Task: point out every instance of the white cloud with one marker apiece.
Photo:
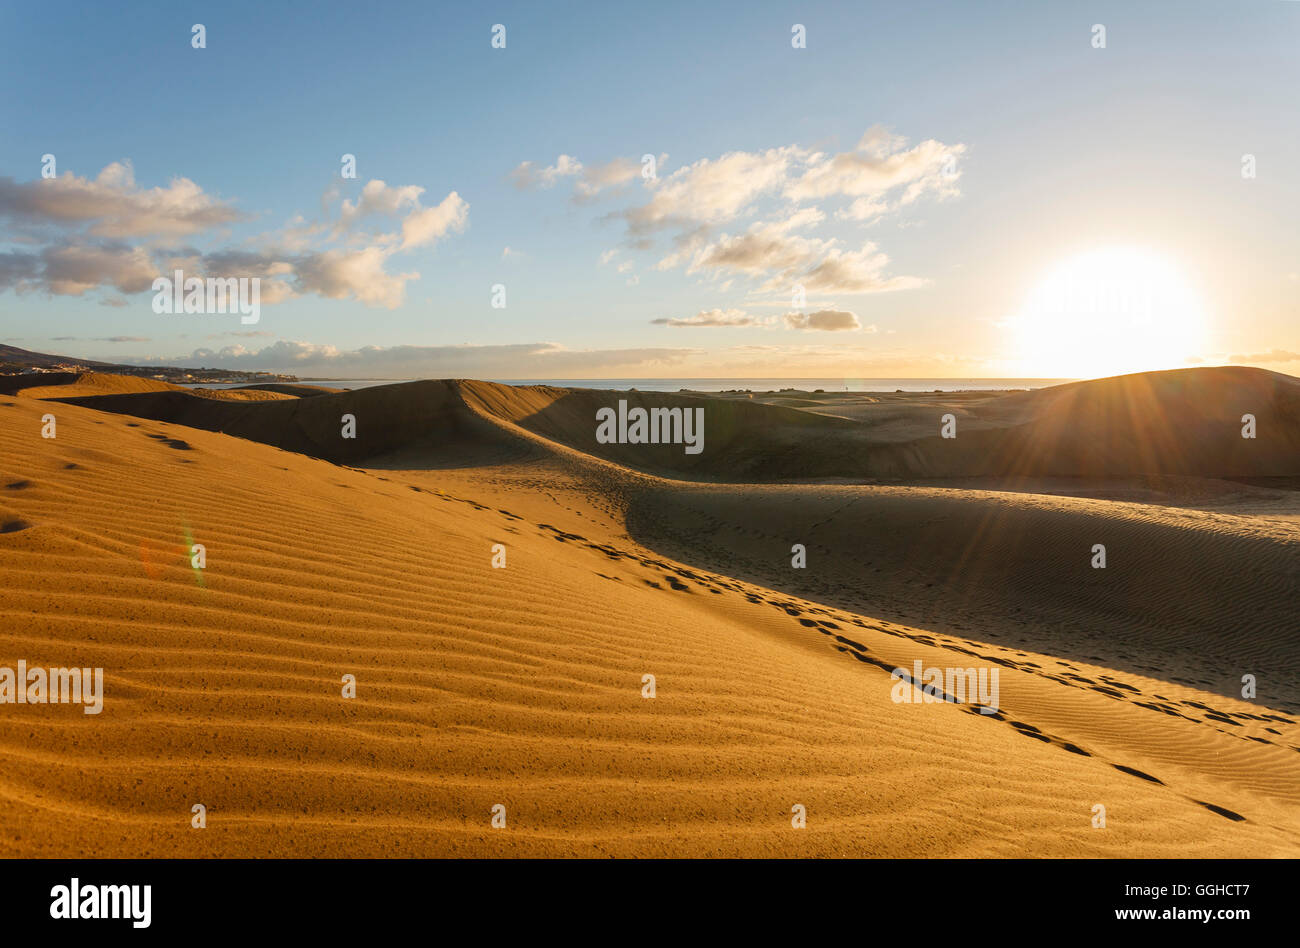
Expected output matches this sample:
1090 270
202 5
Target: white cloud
612 174
850 271
731 318
712 191
71 215
689 207
431 224
878 167
877 178
339 274
786 260
378 198
864 209
113 206
590 180
528 175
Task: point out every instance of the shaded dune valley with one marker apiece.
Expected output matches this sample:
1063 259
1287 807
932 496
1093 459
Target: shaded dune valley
565 647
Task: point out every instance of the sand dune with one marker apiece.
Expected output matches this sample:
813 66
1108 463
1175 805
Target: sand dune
80 384
1198 598
288 388
1186 422
388 417
523 686
1179 423
69 385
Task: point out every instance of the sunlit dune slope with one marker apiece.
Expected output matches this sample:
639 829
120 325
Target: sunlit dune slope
80 384
1196 597
1185 421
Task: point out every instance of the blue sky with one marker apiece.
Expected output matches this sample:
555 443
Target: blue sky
1024 145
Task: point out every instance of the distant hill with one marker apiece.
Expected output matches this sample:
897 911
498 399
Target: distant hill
14 361
12 357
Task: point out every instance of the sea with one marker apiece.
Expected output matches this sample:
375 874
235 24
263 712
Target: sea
725 385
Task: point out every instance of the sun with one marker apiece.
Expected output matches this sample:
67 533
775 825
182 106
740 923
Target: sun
1109 312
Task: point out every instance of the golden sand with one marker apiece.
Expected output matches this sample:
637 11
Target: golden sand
523 686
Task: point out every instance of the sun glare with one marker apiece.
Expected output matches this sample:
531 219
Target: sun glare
1109 312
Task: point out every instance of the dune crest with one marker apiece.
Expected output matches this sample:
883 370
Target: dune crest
1186 422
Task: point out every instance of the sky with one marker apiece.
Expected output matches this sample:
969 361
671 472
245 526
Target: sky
676 190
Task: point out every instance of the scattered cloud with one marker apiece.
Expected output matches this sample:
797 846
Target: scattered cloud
429 225
827 320
113 206
881 164
786 260
713 317
696 209
712 191
84 227
849 271
19 270
377 198
72 269
528 175
613 174
338 274
589 181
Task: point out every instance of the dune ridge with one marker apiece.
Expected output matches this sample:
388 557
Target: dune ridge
1183 422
